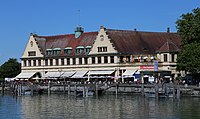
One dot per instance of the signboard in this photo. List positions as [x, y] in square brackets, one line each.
[155, 65]
[147, 67]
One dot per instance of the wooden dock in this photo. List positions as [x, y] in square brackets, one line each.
[97, 89]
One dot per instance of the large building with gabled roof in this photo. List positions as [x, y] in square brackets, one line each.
[108, 53]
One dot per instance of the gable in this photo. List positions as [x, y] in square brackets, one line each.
[32, 49]
[102, 44]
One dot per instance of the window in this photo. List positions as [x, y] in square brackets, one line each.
[39, 62]
[88, 49]
[29, 62]
[51, 62]
[80, 60]
[79, 50]
[68, 61]
[99, 60]
[34, 62]
[56, 51]
[93, 60]
[62, 61]
[105, 59]
[46, 62]
[86, 60]
[74, 61]
[31, 53]
[57, 62]
[102, 49]
[48, 51]
[111, 59]
[101, 37]
[173, 57]
[68, 50]
[31, 43]
[25, 63]
[165, 57]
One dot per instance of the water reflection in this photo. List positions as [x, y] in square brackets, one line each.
[105, 107]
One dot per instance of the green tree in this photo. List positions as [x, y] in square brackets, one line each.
[189, 29]
[10, 69]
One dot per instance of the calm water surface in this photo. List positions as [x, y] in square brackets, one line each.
[57, 106]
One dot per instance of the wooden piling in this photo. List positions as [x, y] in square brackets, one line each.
[178, 91]
[49, 87]
[3, 88]
[64, 88]
[96, 89]
[75, 89]
[116, 91]
[174, 92]
[156, 90]
[142, 89]
[68, 89]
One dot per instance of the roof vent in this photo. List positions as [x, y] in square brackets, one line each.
[78, 31]
[168, 29]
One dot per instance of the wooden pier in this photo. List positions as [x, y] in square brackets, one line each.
[96, 89]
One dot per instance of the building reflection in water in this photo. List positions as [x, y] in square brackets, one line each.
[105, 107]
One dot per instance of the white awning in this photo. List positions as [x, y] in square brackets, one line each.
[129, 72]
[68, 74]
[79, 74]
[100, 72]
[53, 74]
[25, 75]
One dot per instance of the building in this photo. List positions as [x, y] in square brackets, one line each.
[108, 53]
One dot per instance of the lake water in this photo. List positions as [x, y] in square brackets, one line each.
[59, 106]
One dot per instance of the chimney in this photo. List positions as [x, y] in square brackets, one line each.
[168, 29]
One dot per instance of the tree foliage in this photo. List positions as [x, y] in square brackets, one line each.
[10, 69]
[189, 29]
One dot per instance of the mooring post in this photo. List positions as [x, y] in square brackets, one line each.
[68, 89]
[178, 91]
[49, 87]
[84, 89]
[116, 88]
[3, 88]
[142, 87]
[156, 90]
[96, 88]
[64, 87]
[75, 89]
[174, 92]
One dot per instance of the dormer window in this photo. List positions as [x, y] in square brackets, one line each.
[102, 49]
[68, 50]
[88, 49]
[48, 51]
[79, 49]
[56, 51]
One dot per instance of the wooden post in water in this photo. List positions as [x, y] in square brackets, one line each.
[116, 88]
[84, 89]
[49, 87]
[156, 90]
[174, 93]
[68, 89]
[75, 89]
[31, 86]
[3, 88]
[142, 87]
[96, 88]
[178, 91]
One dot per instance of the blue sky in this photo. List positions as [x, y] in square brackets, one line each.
[18, 18]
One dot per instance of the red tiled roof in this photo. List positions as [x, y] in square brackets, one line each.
[64, 41]
[136, 42]
[124, 41]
